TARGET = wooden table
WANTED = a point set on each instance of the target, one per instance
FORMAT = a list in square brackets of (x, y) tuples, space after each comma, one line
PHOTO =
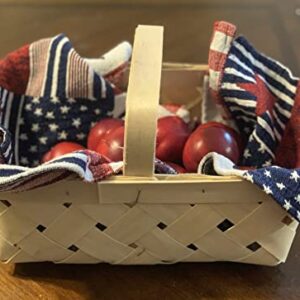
[(94, 27)]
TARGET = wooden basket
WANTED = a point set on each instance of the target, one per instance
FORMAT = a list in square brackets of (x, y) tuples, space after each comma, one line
[(139, 217)]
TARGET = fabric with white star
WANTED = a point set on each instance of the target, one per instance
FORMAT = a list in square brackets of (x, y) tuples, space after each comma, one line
[(64, 98), (263, 100), (282, 184)]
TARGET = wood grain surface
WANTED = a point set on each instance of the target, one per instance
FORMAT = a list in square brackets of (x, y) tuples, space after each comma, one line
[(95, 26)]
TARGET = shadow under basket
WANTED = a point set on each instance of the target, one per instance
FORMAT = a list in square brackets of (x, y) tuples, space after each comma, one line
[(141, 217)]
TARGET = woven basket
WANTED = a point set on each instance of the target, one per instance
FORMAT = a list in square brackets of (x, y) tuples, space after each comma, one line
[(139, 217)]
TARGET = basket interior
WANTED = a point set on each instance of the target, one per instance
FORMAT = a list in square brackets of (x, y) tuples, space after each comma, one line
[(181, 84)]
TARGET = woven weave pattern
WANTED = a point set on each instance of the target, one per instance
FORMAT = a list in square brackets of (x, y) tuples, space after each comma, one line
[(144, 233)]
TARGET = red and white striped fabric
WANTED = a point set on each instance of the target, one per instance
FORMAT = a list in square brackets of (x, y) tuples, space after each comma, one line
[(87, 165), (262, 97), (49, 93), (223, 34)]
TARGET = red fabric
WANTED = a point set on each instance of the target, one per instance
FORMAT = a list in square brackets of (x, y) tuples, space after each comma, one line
[(265, 99), (98, 165), (216, 60), (14, 70), (225, 27), (288, 152)]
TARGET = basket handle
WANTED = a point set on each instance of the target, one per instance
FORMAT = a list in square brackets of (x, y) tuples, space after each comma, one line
[(142, 101)]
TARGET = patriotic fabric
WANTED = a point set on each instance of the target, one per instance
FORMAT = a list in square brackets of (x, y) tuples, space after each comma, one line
[(222, 37), (260, 95), (48, 93), (86, 165), (261, 98), (282, 184)]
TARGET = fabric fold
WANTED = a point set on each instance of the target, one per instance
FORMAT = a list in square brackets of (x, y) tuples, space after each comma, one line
[(282, 184), (260, 97), (58, 95)]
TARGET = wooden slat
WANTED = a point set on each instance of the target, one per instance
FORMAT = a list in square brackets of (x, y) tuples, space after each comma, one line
[(142, 101), (180, 192)]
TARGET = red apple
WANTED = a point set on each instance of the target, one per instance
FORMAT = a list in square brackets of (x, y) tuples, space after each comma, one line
[(61, 149), (179, 169), (172, 134), (230, 130), (111, 146), (102, 128), (210, 137)]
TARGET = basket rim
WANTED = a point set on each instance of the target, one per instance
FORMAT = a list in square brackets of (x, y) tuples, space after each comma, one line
[(193, 177)]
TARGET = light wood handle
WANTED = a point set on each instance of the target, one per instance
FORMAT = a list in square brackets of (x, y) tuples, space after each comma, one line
[(142, 101)]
